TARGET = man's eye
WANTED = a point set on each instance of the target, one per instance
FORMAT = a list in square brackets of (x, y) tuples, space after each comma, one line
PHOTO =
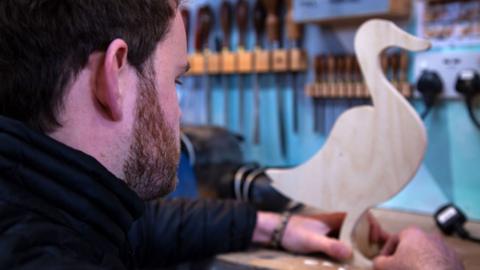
[(178, 82)]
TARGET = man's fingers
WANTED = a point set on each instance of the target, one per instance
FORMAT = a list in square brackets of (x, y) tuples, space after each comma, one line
[(384, 236), (374, 234), (333, 220), (383, 262), (377, 234), (390, 246), (331, 247)]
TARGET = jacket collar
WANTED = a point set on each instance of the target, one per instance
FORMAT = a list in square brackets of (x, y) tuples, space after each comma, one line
[(45, 175)]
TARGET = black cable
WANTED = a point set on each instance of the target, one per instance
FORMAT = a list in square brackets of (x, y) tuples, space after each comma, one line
[(428, 108), (469, 100), (450, 220), (464, 234), (468, 84)]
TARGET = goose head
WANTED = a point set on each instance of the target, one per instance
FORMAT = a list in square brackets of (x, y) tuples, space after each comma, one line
[(369, 33)]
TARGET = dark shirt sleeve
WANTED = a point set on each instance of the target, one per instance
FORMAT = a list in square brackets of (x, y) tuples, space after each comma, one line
[(176, 231)]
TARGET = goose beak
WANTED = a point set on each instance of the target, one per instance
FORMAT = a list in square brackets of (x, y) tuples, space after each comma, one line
[(406, 41), (378, 35)]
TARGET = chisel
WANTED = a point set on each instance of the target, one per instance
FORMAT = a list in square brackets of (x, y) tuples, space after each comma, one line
[(181, 89), (403, 75), (319, 102), (205, 25), (348, 79), (242, 23), (330, 89), (294, 34), (198, 67), (226, 13), (259, 17), (186, 21), (273, 31)]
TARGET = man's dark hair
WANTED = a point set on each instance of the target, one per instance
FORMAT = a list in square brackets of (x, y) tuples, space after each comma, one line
[(45, 43)]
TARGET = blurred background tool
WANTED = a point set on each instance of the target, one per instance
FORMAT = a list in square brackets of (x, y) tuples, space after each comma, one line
[(205, 24), (259, 22), (279, 63), (242, 12), (468, 84), (226, 22), (296, 61)]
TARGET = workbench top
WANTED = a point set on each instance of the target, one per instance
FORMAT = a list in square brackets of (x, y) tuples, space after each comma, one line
[(392, 221)]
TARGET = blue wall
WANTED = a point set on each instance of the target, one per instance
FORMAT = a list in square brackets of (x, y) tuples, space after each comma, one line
[(451, 168)]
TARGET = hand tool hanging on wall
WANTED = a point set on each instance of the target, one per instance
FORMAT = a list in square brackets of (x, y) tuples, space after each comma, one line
[(340, 95), (226, 15), (294, 34), (318, 93), (468, 84), (404, 86), (273, 32), (198, 64), (395, 70), (330, 93), (259, 19), (360, 87), (242, 23), (348, 78), (205, 25), (186, 21)]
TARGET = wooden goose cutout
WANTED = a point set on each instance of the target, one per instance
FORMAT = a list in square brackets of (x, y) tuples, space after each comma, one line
[(372, 151)]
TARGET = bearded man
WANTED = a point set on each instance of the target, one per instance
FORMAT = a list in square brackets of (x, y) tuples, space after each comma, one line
[(89, 130)]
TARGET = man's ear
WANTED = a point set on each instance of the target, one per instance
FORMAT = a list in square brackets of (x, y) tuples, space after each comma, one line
[(107, 90)]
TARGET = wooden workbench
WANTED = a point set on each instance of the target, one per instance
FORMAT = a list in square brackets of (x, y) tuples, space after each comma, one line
[(392, 221)]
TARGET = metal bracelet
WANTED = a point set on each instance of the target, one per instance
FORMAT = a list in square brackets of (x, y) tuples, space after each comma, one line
[(277, 235)]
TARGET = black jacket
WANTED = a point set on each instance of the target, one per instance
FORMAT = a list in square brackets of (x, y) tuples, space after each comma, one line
[(61, 209)]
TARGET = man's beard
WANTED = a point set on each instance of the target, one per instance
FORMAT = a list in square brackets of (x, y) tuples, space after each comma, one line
[(151, 166)]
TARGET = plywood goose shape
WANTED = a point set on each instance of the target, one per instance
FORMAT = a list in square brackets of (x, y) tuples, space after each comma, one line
[(372, 151)]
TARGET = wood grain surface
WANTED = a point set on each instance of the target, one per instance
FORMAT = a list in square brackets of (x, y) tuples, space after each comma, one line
[(372, 152), (392, 221)]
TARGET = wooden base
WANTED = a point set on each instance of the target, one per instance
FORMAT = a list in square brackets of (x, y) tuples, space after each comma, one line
[(391, 221)]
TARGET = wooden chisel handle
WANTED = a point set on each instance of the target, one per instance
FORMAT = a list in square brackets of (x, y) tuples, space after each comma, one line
[(259, 21), (273, 22), (242, 21), (199, 38), (403, 66), (186, 19), (204, 27), (226, 14), (294, 30)]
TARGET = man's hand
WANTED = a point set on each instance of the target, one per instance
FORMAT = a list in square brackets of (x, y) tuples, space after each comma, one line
[(312, 234), (414, 249)]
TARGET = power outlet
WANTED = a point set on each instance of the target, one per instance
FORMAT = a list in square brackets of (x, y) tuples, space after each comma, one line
[(448, 65)]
